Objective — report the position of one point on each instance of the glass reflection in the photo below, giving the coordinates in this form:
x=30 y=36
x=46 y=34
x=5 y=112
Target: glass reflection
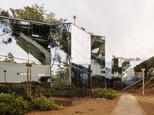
x=19 y=44
x=98 y=61
x=60 y=42
x=9 y=37
x=62 y=49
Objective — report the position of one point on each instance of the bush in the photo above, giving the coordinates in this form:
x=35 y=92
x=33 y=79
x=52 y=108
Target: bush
x=109 y=93
x=104 y=93
x=21 y=89
x=150 y=72
x=38 y=91
x=43 y=104
x=11 y=105
x=97 y=93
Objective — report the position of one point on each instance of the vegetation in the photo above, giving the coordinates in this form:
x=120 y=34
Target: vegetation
x=12 y=105
x=43 y=104
x=61 y=88
x=104 y=93
x=4 y=13
x=146 y=64
x=151 y=72
x=17 y=105
x=150 y=75
x=33 y=12
x=149 y=83
x=9 y=58
x=38 y=89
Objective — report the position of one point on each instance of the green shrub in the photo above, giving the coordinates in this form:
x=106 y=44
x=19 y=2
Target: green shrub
x=43 y=104
x=97 y=93
x=38 y=91
x=11 y=105
x=104 y=93
x=109 y=93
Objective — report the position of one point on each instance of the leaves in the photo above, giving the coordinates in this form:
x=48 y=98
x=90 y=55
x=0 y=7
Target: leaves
x=33 y=12
x=4 y=13
x=146 y=64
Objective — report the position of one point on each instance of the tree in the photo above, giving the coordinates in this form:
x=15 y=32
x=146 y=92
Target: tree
x=50 y=18
x=147 y=64
x=150 y=72
x=4 y=13
x=9 y=58
x=33 y=12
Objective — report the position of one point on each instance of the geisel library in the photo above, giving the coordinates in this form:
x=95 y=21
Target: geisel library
x=38 y=51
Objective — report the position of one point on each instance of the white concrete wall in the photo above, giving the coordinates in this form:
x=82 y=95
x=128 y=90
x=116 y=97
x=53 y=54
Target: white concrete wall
x=16 y=73
x=96 y=68
x=80 y=46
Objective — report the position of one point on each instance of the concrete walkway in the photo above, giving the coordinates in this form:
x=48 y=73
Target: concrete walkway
x=127 y=105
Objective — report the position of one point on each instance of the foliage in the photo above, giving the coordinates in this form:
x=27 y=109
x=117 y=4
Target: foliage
x=50 y=18
x=42 y=103
x=150 y=72
x=61 y=87
x=109 y=93
x=38 y=91
x=9 y=58
x=4 y=13
x=104 y=93
x=62 y=92
x=58 y=83
x=17 y=89
x=20 y=89
x=11 y=105
x=146 y=64
x=98 y=92
x=34 y=13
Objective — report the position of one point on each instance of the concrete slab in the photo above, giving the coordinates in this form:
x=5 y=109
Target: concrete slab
x=127 y=105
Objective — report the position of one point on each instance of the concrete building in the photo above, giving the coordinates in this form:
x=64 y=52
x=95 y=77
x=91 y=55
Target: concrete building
x=17 y=72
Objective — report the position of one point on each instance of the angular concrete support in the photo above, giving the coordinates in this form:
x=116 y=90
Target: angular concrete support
x=34 y=48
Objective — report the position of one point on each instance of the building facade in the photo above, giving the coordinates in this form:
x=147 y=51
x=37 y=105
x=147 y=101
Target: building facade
x=63 y=52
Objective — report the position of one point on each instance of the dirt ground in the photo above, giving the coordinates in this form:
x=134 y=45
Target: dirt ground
x=146 y=101
x=101 y=106
x=86 y=107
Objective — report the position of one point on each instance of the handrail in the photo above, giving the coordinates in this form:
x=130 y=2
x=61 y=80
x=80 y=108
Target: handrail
x=133 y=84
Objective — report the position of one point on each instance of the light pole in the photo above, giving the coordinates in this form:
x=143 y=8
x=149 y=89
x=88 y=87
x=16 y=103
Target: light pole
x=4 y=76
x=74 y=18
x=29 y=77
x=143 y=69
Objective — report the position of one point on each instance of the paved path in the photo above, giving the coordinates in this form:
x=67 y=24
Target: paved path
x=127 y=105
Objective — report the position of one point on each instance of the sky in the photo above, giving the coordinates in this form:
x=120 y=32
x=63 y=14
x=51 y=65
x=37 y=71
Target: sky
x=128 y=25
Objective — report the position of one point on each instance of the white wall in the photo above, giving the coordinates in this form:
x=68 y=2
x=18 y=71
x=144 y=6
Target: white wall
x=14 y=72
x=80 y=46
x=96 y=68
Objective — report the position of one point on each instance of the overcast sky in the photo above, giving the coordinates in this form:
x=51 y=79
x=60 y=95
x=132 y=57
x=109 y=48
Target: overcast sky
x=128 y=25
